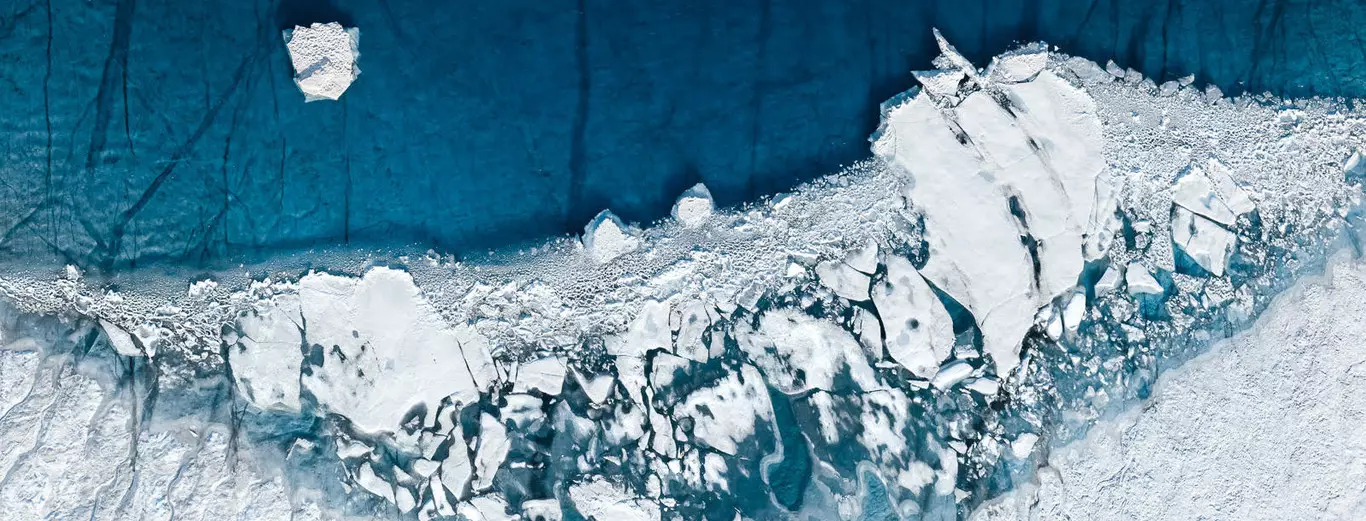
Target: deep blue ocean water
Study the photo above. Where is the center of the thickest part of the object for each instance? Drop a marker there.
(141, 130)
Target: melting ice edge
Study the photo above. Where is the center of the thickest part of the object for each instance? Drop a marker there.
(1031, 245)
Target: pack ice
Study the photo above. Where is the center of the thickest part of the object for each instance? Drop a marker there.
(1032, 244)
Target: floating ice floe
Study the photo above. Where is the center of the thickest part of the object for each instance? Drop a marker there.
(324, 58)
(694, 206)
(917, 329)
(606, 238)
(1012, 184)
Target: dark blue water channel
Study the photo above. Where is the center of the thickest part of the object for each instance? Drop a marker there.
(134, 131)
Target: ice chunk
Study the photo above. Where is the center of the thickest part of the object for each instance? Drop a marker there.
(1195, 192)
(605, 238)
(1109, 280)
(491, 507)
(1140, 281)
(371, 482)
(917, 327)
(601, 500)
(863, 258)
(950, 58)
(598, 388)
(1237, 199)
(694, 207)
(726, 414)
(545, 375)
(983, 177)
(1023, 445)
(984, 386)
(493, 449)
(475, 349)
(456, 470)
(649, 330)
(690, 322)
(120, 340)
(521, 411)
(844, 280)
(941, 83)
(1074, 312)
(386, 351)
(324, 58)
(1207, 243)
(951, 374)
(1019, 65)
(541, 510)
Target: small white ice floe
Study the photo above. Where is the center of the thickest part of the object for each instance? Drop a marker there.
(694, 207)
(1141, 282)
(951, 374)
(605, 238)
(1109, 280)
(324, 59)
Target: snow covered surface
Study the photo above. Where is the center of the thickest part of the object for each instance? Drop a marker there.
(933, 316)
(324, 58)
(1263, 426)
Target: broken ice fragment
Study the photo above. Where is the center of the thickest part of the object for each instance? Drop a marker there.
(1023, 445)
(1141, 282)
(863, 258)
(726, 414)
(1207, 243)
(120, 340)
(597, 388)
(1019, 65)
(917, 327)
(597, 498)
(324, 59)
(694, 207)
(951, 374)
(1195, 193)
(943, 84)
(605, 238)
(368, 480)
(844, 280)
(1108, 280)
(1237, 199)
(493, 449)
(950, 58)
(1006, 241)
(545, 375)
(266, 361)
(1074, 311)
(456, 470)
(984, 386)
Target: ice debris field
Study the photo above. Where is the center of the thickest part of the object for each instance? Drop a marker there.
(1024, 291)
